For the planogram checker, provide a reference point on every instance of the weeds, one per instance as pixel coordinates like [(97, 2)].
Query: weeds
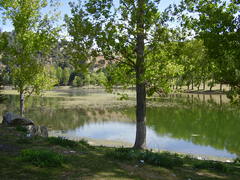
[(42, 158)]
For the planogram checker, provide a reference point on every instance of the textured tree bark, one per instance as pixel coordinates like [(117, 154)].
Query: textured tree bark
[(22, 103), (140, 141)]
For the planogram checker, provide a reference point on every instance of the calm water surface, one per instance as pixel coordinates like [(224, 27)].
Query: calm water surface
[(195, 124)]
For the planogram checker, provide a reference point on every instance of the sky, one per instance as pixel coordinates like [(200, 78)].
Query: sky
[(65, 9)]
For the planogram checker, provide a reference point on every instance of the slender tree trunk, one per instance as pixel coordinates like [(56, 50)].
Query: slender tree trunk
[(211, 87), (192, 85), (220, 86), (140, 141), (204, 85), (21, 103), (221, 101)]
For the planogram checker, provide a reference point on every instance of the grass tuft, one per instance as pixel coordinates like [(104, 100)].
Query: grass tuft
[(62, 142), (42, 158)]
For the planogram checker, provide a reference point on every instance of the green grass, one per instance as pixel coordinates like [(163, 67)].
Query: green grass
[(62, 142), (42, 158), (212, 165)]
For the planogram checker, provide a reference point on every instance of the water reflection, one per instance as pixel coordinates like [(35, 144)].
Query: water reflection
[(189, 123), (120, 131)]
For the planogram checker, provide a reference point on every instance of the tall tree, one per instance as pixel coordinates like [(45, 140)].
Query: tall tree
[(217, 23), (32, 38), (127, 33)]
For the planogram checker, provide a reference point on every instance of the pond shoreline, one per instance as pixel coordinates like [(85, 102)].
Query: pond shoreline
[(118, 144)]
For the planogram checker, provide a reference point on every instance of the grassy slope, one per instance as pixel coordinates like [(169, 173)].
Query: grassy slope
[(87, 162)]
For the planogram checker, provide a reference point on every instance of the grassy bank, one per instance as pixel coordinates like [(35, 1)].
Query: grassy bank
[(55, 158)]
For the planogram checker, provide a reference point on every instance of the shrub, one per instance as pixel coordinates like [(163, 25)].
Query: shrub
[(21, 129), (61, 141), (84, 143), (42, 158), (237, 161)]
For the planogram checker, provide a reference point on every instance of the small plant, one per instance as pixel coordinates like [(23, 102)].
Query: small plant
[(158, 159), (42, 158), (21, 129), (61, 141), (237, 161), (85, 144)]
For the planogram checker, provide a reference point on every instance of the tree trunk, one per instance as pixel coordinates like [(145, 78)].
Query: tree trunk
[(204, 85), (140, 141), (221, 101), (220, 86), (211, 87), (22, 103), (192, 85), (71, 78)]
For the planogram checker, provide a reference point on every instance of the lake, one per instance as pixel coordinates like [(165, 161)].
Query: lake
[(197, 124)]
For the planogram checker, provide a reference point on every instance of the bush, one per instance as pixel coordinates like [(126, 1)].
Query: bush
[(21, 129), (62, 142), (84, 142), (42, 158), (158, 159), (237, 161), (78, 81)]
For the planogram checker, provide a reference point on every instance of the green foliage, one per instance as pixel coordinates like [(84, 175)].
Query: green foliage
[(42, 158), (62, 75), (84, 144), (78, 81), (28, 44), (21, 129), (62, 142), (217, 24), (157, 159), (94, 78), (237, 161)]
